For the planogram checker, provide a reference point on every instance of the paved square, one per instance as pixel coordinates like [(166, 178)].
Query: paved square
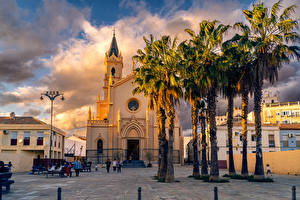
[(100, 185)]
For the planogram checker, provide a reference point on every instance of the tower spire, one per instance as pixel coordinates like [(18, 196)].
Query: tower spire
[(113, 46)]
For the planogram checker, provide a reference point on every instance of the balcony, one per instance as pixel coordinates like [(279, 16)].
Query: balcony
[(98, 122)]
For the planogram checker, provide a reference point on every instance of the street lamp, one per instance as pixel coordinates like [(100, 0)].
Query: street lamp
[(51, 95)]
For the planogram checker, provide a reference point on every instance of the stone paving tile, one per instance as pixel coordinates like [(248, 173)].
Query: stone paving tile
[(100, 185)]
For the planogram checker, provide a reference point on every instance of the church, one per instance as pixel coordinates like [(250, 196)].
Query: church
[(122, 126)]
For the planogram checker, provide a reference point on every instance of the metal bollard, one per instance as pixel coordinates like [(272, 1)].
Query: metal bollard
[(216, 193), (0, 188), (140, 193), (59, 193), (294, 193)]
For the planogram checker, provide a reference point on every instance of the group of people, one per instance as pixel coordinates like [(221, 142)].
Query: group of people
[(116, 164), (66, 167)]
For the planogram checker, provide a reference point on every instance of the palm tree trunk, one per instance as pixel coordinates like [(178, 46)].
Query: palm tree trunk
[(229, 127), (244, 131), (163, 144), (259, 168), (214, 169), (195, 143), (170, 166), (204, 170)]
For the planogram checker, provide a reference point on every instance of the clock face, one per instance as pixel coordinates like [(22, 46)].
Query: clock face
[(133, 105)]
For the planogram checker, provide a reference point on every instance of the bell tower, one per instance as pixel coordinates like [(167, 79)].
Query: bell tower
[(113, 65)]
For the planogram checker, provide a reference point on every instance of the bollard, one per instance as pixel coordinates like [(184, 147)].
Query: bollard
[(0, 188), (294, 193), (59, 193), (216, 193), (140, 193)]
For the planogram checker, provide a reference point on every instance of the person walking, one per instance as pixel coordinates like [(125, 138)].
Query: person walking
[(114, 163), (77, 167), (268, 170), (107, 165), (119, 167)]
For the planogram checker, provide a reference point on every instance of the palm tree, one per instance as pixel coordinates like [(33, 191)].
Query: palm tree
[(245, 84), (147, 79), (209, 40), (192, 92), (202, 118), (230, 59), (171, 92), (272, 35)]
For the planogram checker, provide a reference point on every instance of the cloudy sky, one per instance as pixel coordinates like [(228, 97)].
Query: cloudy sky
[(60, 45)]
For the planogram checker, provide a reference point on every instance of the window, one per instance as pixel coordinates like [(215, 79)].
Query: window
[(253, 138), (13, 138), (271, 141), (26, 139), (40, 138), (54, 135), (58, 141), (113, 71), (100, 146), (133, 105)]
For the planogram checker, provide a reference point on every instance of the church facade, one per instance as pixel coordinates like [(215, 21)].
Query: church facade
[(122, 127)]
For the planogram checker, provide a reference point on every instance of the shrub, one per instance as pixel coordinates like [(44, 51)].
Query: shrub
[(267, 179)]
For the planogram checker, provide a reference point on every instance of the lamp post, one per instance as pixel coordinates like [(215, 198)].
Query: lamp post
[(51, 95)]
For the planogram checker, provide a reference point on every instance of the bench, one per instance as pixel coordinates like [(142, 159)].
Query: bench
[(87, 167), (5, 182), (38, 169), (60, 171), (53, 171)]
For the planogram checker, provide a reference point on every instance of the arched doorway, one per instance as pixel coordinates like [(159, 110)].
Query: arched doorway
[(100, 146)]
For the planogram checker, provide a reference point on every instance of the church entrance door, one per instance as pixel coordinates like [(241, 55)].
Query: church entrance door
[(133, 149)]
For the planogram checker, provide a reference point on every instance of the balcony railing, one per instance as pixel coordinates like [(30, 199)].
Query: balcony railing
[(98, 122)]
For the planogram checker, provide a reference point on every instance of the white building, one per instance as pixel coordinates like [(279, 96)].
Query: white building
[(75, 146), (270, 139)]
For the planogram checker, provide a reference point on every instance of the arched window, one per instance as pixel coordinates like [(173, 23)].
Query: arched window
[(100, 146), (113, 71)]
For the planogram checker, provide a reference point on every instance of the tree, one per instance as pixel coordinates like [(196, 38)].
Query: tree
[(202, 118), (272, 35), (245, 84), (171, 92), (209, 39), (147, 80), (230, 59), (189, 72)]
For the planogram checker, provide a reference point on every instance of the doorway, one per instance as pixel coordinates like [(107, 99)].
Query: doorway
[(133, 149)]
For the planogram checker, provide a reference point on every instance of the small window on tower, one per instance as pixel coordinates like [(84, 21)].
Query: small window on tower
[(113, 71)]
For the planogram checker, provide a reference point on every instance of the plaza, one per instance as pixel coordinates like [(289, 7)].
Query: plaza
[(100, 185)]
